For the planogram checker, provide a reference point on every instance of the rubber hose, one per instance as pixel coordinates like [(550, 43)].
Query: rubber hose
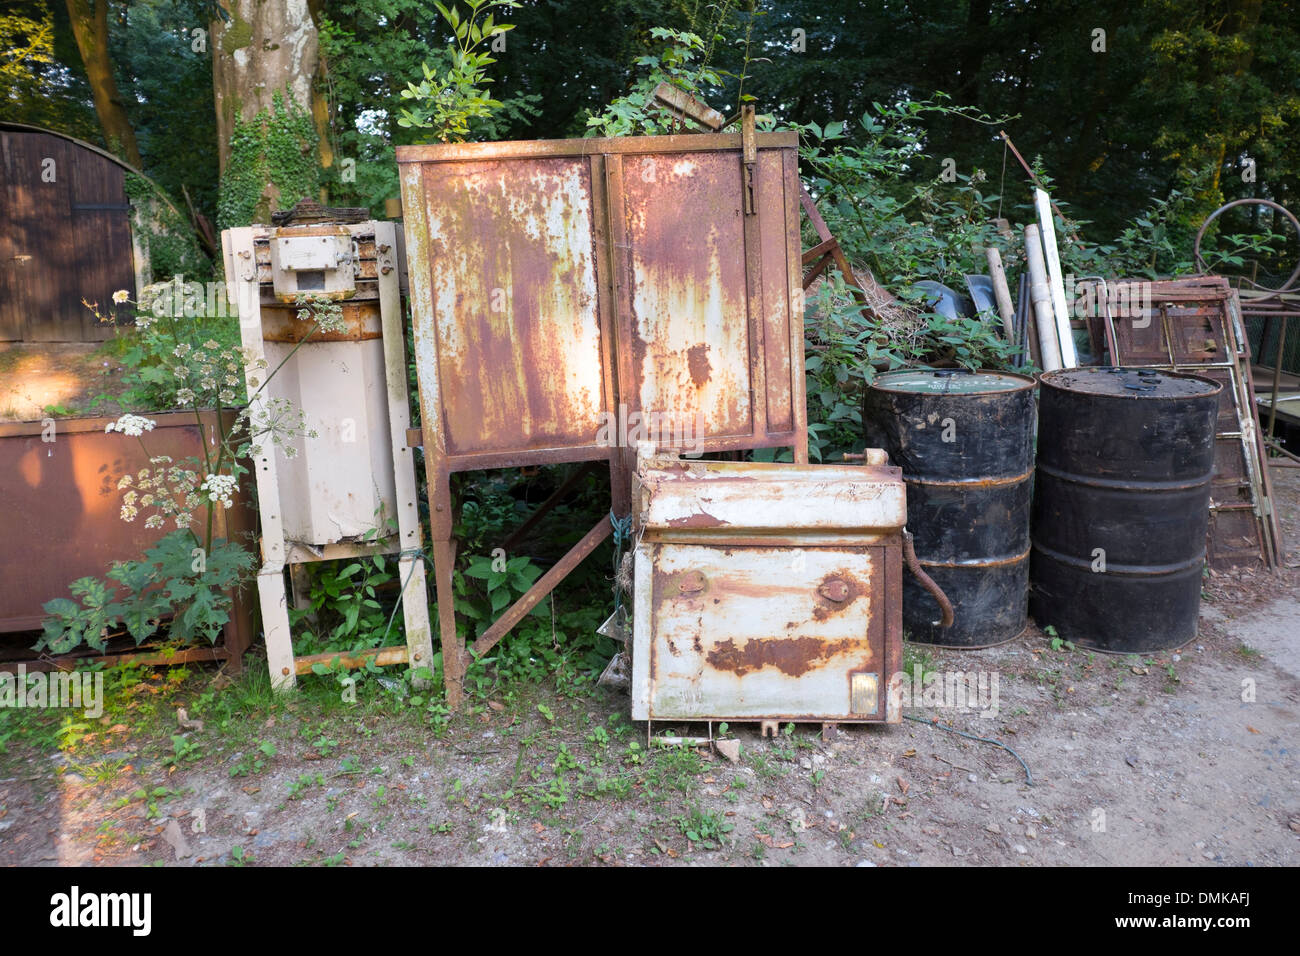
[(927, 582)]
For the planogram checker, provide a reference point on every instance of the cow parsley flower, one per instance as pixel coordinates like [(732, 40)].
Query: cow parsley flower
[(132, 426), (219, 488)]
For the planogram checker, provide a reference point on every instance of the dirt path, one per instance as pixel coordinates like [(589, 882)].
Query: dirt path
[(1187, 758)]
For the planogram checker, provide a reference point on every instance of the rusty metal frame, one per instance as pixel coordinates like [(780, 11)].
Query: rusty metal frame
[(1223, 310), (230, 523), (247, 267), (615, 315)]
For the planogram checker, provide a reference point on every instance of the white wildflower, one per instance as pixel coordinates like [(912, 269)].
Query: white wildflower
[(219, 488), (120, 296), (123, 482), (153, 521), (132, 426), (181, 350), (128, 512), (185, 396)]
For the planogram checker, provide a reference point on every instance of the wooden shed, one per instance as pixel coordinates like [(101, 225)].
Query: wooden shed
[(65, 235)]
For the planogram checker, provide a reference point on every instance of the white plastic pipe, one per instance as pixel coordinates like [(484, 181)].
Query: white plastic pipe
[(1069, 357), (1049, 349)]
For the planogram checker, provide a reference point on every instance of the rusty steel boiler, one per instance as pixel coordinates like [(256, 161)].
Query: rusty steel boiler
[(766, 591)]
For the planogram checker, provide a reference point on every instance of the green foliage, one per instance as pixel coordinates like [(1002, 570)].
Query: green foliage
[(636, 114), (882, 196), (707, 828), (167, 237), (168, 94), (502, 582), (168, 581), (151, 367), (345, 613), (452, 97), (272, 164)]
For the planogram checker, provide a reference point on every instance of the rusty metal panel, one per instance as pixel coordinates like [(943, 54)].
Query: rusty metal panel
[(765, 591), (689, 333), (740, 633), (556, 284), (514, 302), (758, 498), (62, 505)]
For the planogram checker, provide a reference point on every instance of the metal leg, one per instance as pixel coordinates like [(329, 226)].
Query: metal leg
[(453, 671)]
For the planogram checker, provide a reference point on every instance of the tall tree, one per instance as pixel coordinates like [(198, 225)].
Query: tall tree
[(90, 27), (260, 49)]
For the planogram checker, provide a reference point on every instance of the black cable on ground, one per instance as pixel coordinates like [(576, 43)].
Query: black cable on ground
[(1029, 778)]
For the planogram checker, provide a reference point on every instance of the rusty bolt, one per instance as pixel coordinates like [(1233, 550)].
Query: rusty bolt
[(284, 671), (417, 655), (690, 582), (834, 590)]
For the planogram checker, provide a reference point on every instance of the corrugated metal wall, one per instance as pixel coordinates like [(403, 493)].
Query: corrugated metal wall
[(65, 235)]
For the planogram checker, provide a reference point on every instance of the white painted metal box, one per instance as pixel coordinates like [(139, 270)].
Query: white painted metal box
[(766, 591)]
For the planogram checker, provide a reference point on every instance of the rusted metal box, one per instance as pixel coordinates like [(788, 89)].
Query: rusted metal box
[(766, 591)]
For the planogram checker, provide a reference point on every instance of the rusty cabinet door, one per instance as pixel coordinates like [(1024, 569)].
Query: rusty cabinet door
[(750, 632), (558, 286)]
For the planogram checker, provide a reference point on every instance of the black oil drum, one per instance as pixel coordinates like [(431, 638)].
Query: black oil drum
[(1125, 458), (965, 442)]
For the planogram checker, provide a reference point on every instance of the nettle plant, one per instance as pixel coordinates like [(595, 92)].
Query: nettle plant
[(452, 98), (189, 574)]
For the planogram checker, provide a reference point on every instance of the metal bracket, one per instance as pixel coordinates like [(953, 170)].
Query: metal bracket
[(749, 158)]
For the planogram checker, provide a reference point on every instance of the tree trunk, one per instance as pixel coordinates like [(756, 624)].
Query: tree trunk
[(262, 49), (90, 28)]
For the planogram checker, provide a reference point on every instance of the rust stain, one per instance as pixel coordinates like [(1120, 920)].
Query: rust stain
[(700, 520), (697, 359), (792, 656)]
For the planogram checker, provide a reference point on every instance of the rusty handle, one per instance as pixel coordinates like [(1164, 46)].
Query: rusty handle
[(927, 582)]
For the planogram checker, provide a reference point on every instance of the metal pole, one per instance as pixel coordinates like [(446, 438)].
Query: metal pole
[(1277, 375)]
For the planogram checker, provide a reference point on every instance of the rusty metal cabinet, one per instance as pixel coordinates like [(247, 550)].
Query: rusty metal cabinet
[(562, 289), (766, 591)]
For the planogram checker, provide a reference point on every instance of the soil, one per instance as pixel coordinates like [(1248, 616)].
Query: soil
[(1174, 758), (65, 375)]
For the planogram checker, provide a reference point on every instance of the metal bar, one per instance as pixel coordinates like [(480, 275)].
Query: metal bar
[(793, 191), (1277, 376), (188, 656), (415, 595), (684, 143), (815, 271), (382, 657), (544, 586), (819, 251)]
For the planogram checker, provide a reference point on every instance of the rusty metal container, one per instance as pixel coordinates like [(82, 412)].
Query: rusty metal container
[(1125, 462), (58, 483), (766, 591), (965, 443)]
